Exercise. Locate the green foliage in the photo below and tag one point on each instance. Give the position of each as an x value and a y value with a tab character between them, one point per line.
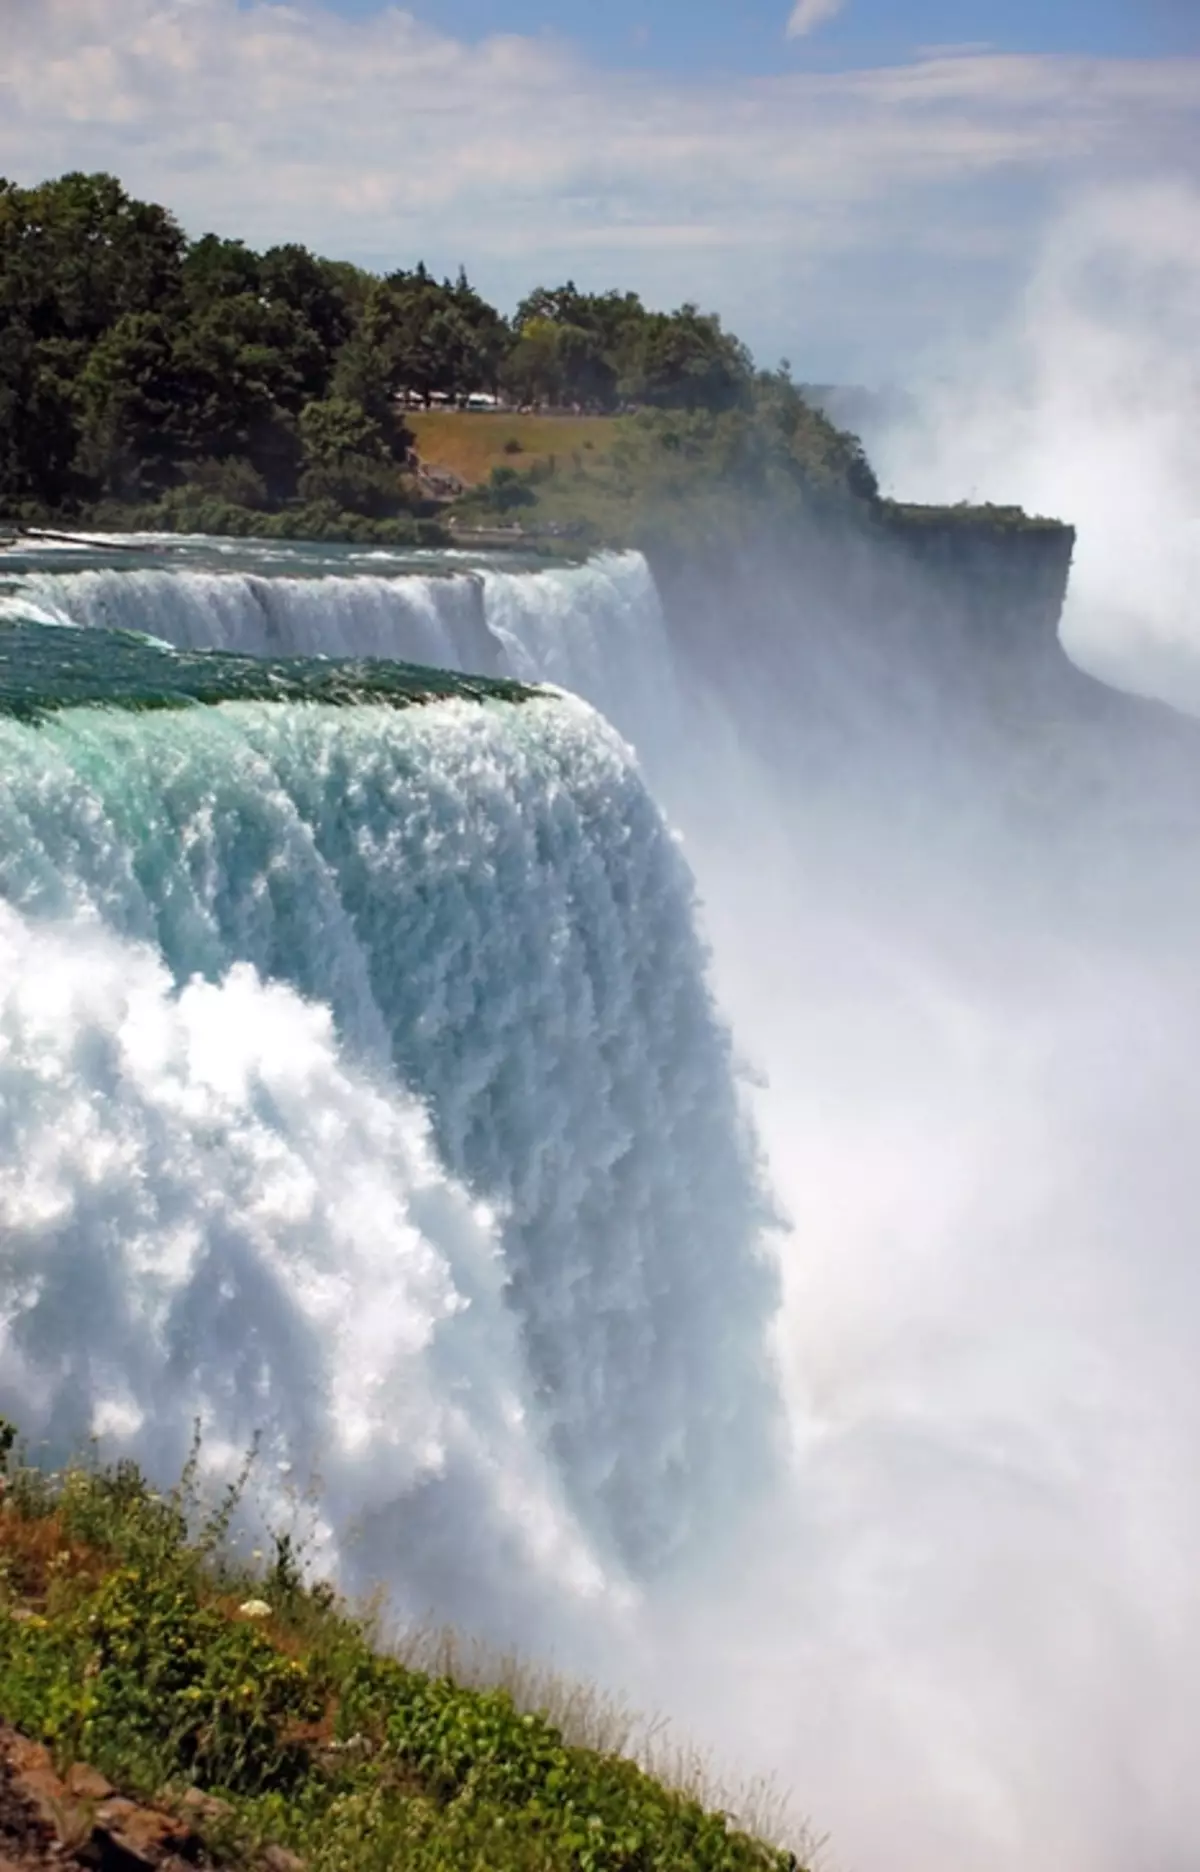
212	386
129	1640
234	482
132	405
193	509
508	490
433	337
78	254
595	351
127	357
681	477
216	269
142	1679
686	362
535	369
965	516
321	295
474	1751
347	460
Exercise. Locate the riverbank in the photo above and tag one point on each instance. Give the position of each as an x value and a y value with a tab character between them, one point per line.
238	1714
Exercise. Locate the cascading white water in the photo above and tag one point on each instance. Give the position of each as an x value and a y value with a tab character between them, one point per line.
489	910
965	1624
434	620
209	1211
596	629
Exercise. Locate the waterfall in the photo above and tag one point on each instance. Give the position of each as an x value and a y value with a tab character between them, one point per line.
361	1084
435	620
596	629
289	991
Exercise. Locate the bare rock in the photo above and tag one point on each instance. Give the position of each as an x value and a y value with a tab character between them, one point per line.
204	1809
279	1859
87	1784
132	1838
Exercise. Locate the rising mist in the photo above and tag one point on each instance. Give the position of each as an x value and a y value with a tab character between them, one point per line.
970	1636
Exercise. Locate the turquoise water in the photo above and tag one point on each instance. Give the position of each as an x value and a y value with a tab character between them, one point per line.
596	629
358	1063
45	667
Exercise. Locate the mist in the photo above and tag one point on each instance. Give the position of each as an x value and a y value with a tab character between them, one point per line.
1086	406
966	1631
955	947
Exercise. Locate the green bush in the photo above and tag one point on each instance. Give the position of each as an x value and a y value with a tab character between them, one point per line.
142	1679
507	490
235	482
128	1639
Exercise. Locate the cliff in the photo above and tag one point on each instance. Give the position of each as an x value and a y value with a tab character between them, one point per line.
919	654
893	611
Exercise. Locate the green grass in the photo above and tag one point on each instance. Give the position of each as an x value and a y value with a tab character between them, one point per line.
968	516
130	1639
473	442
679	479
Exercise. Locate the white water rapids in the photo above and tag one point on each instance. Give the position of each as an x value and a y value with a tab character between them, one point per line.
359	1082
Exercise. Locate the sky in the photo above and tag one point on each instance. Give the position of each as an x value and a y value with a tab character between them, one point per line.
753	35
857	185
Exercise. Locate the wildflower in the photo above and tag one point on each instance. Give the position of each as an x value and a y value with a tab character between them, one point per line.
255	1608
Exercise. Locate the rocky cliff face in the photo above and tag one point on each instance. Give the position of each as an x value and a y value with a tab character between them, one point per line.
919	610
997	581
922	652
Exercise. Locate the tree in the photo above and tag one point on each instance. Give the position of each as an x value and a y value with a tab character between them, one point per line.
217	269
683	360
137	412
533	370
38	433
347	459
291	277
364	375
434	338
589	376
78	254
595	334
132	362
507	491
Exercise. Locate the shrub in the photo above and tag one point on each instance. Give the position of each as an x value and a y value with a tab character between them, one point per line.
507	490
128	1638
234	482
356	485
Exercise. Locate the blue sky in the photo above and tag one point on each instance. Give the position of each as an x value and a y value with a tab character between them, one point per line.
749	35
862	197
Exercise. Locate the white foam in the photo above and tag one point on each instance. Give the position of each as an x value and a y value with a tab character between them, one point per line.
491	913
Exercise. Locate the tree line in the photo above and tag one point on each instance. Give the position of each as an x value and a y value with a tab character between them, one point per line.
134	361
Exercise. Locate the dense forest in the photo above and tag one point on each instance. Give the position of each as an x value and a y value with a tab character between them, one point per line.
145	375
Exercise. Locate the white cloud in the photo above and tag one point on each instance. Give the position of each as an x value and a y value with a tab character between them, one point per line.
838	217
808	14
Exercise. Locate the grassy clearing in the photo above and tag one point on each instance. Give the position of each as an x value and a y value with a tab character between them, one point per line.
472	442
129	1639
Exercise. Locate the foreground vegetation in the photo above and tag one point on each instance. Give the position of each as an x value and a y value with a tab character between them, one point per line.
131	1641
